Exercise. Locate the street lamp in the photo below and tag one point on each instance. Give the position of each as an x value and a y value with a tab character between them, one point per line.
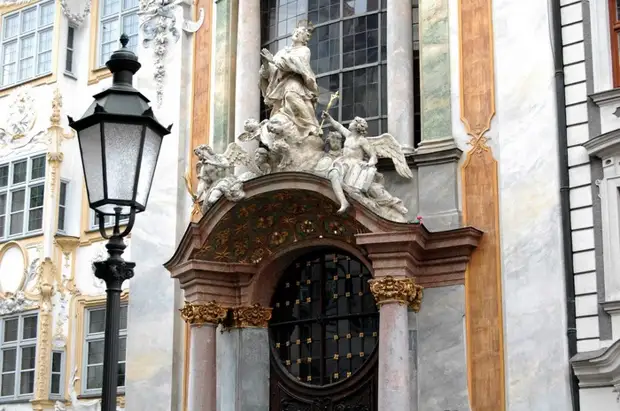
119	141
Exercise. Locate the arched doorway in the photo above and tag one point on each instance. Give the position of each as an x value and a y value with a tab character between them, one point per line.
323	335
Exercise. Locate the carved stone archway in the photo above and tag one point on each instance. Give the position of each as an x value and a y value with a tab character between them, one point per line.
229	263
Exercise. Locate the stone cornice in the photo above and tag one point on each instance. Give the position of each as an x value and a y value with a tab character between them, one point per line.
606	97
437	152
611	307
433	258
599	368
604	145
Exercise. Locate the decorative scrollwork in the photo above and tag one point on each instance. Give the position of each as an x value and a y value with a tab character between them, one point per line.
198	314
400	290
158	24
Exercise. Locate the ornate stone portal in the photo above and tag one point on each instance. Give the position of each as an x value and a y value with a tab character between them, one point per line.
293	140
287	198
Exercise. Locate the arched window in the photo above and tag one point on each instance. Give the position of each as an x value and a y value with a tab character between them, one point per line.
325	321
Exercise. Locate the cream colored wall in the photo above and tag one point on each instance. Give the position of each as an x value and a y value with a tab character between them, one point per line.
70	255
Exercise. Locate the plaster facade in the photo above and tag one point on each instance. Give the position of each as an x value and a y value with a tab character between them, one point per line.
458	123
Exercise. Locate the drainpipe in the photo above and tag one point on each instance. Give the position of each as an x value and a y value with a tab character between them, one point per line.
571	322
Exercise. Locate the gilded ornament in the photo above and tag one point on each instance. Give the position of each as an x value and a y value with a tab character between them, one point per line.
400	290
251	316
198	314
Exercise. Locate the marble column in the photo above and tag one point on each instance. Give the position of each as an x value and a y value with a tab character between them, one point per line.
437	155
394	296
243	361
203	320
400	72
247	92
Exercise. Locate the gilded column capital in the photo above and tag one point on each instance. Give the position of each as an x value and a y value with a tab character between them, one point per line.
251	316
397	290
199	314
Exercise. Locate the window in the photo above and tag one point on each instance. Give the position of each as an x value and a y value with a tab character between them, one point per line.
22	189
19	339
56	374
93	349
27	43
108	220
69	57
614	18
117	17
62	206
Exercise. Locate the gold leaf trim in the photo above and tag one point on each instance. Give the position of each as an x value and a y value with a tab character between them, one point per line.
198	314
397	290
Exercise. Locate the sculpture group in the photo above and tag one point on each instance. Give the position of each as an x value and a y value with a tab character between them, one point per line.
292	140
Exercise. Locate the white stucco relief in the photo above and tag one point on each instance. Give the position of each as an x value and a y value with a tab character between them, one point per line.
18	130
293	140
159	28
75	18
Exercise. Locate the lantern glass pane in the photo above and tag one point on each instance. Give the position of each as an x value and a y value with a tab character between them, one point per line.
152	144
122	148
90	142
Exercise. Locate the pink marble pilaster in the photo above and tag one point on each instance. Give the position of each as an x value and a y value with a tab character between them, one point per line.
393	358
202	375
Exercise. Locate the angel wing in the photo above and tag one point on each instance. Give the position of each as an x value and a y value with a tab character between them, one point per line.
237	156
254	131
386	146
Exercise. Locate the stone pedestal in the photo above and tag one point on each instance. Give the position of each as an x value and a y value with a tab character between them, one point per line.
439	203
203	319
393	296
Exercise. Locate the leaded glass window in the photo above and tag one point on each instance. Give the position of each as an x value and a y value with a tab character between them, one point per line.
325	321
348	49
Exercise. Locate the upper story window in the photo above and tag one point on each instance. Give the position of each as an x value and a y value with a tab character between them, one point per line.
62	206
19	346
117	17
93	351
22	190
27	43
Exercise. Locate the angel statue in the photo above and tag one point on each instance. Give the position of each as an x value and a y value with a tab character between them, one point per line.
355	170
80	405
214	179
288	84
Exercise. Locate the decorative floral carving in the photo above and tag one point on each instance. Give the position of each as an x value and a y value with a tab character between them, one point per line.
198	314
158	23
75	19
252	316
269	223
59	340
14	303
400	290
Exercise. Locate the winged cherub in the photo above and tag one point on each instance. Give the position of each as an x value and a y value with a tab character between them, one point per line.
355	170
214	179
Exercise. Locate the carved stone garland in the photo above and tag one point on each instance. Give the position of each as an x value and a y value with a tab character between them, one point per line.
400	290
75	18
158	23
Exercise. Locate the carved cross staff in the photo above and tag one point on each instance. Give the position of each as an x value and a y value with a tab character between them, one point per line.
332	98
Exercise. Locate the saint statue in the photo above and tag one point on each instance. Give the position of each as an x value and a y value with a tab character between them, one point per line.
288	83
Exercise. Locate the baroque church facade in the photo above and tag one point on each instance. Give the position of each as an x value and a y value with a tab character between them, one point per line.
363	205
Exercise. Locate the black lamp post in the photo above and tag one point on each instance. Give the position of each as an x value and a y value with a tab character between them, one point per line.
119	141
